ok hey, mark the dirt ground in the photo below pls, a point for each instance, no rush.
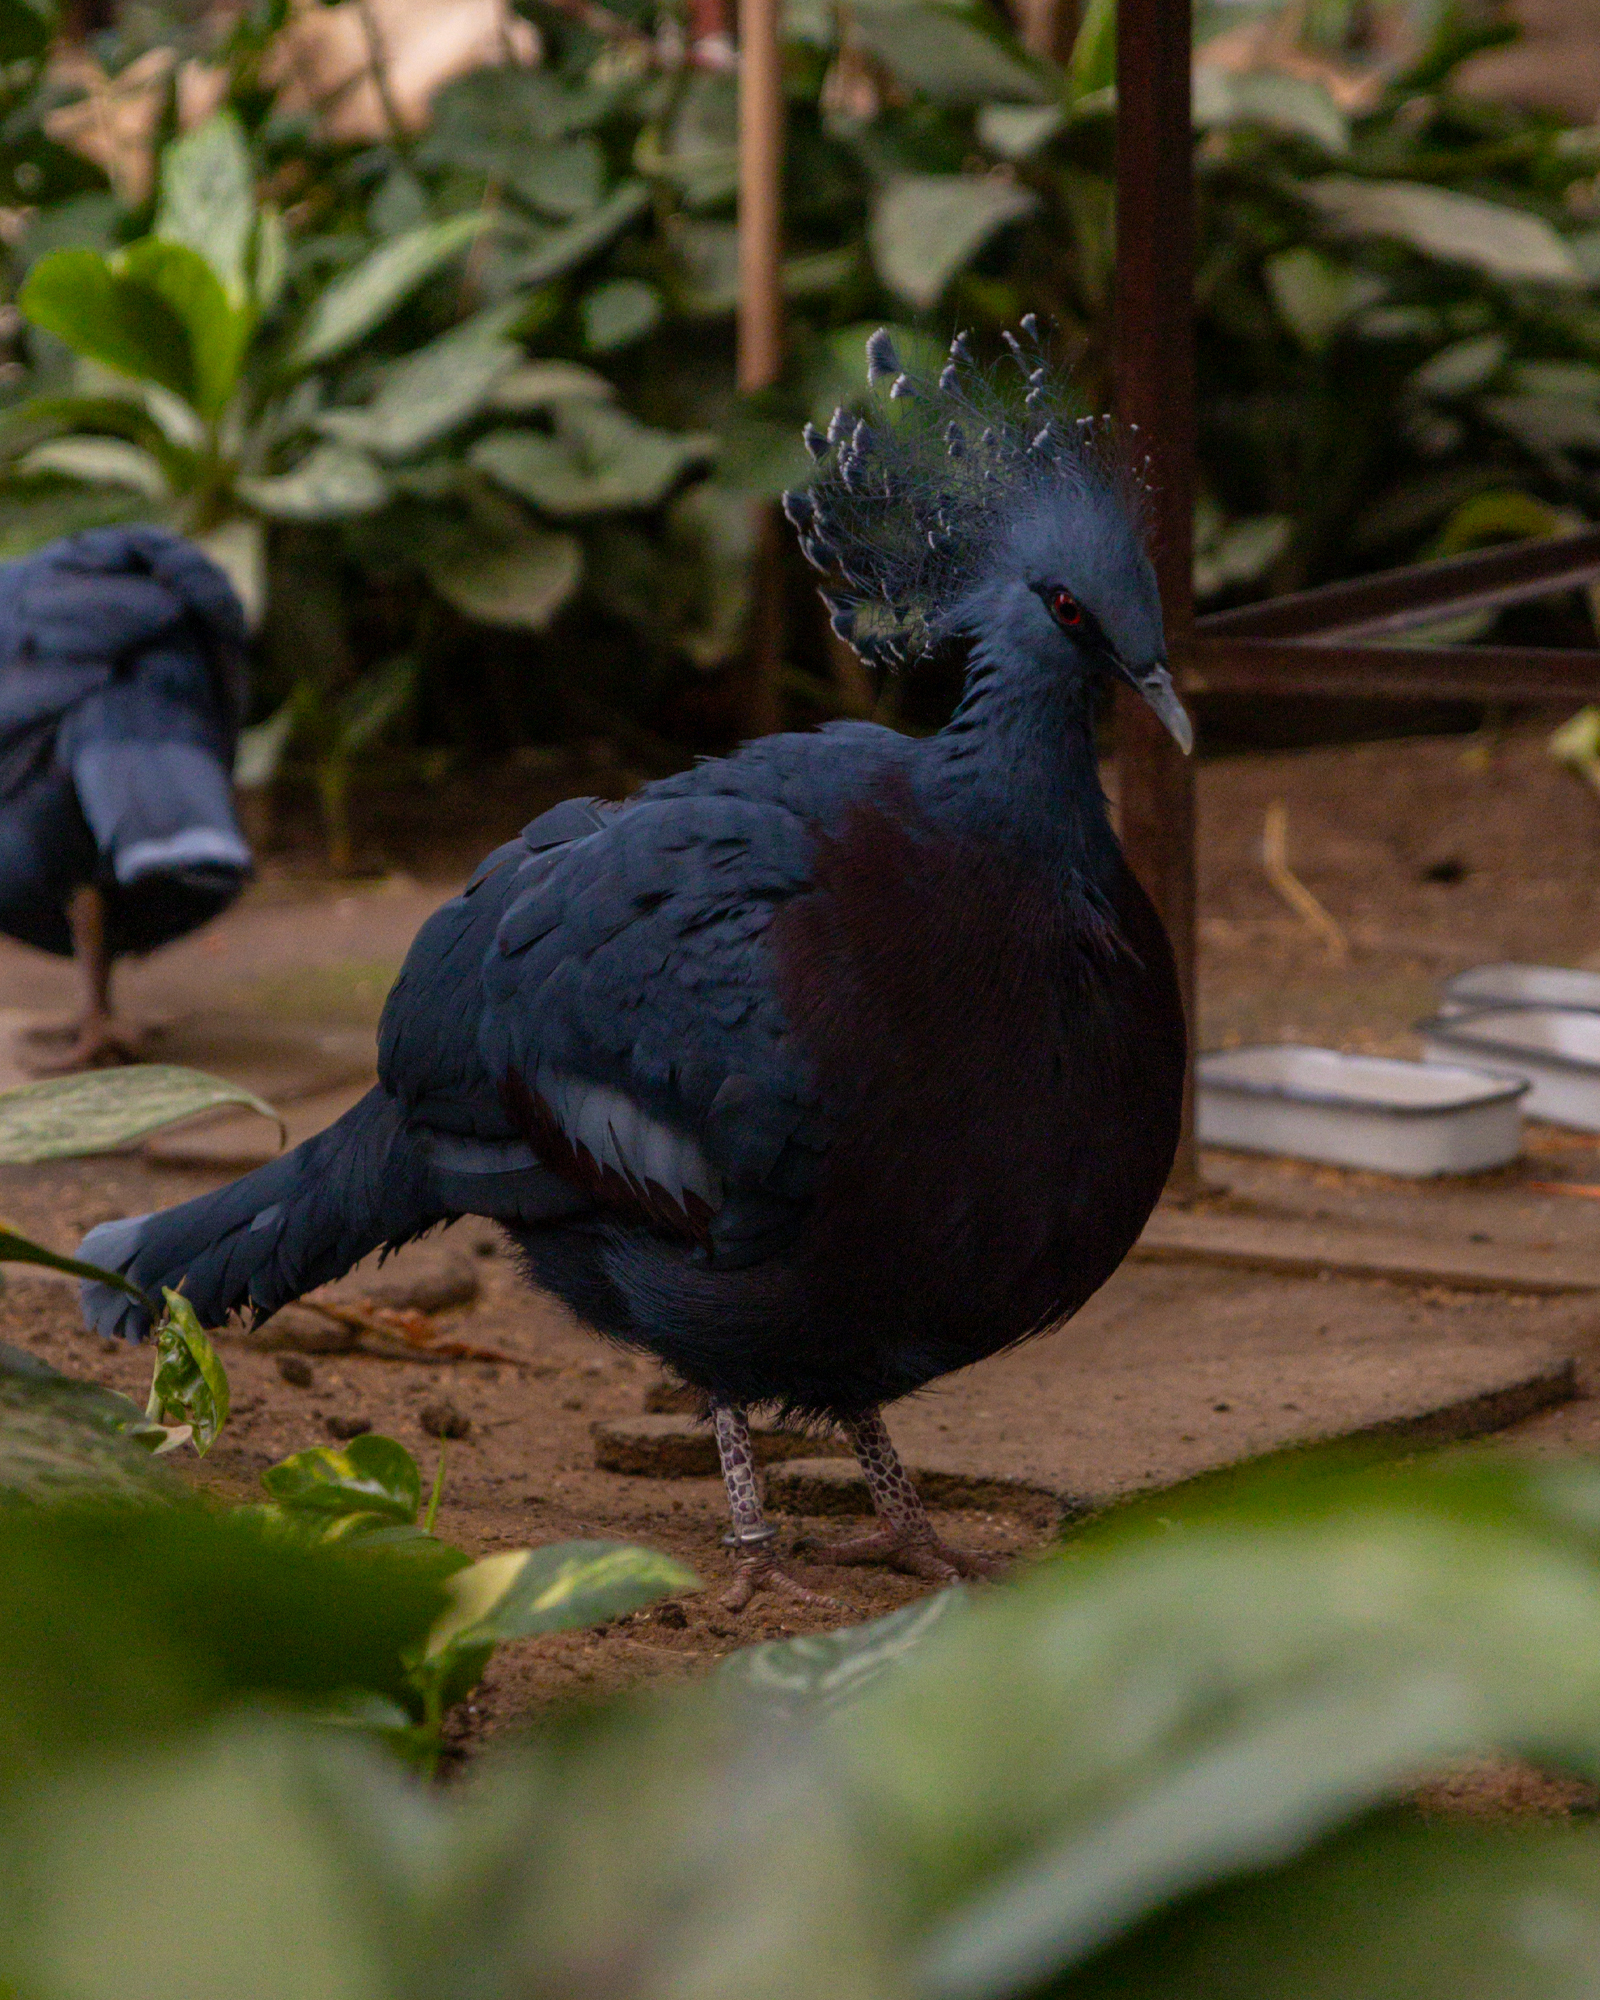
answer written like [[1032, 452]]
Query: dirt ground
[[1429, 855]]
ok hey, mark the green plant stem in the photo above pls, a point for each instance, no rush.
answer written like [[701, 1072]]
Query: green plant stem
[[438, 1488]]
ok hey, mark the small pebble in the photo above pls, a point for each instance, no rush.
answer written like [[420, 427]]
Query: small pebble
[[444, 1420], [296, 1370], [346, 1428]]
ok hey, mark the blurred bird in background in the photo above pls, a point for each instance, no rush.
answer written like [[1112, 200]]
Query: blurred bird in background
[[819, 1070], [122, 690]]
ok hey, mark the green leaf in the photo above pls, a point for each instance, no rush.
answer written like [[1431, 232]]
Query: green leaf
[[1505, 243], [1433, 1912], [565, 249], [1462, 367], [42, 418], [18, 1249], [949, 54], [824, 1670], [427, 395], [208, 202], [1296, 105], [100, 461], [190, 1384], [69, 1117], [111, 318], [561, 181], [364, 297], [269, 259], [927, 227], [1316, 295], [332, 482], [539, 385], [1092, 66], [238, 548], [1018, 131], [599, 460], [216, 331], [26, 29], [523, 1592], [519, 580], [63, 1439], [618, 313], [370, 1475]]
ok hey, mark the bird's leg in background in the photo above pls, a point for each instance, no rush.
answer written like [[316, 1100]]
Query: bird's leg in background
[[757, 1568], [93, 1040], [905, 1538]]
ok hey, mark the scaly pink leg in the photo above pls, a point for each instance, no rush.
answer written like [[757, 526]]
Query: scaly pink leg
[[905, 1537], [757, 1567]]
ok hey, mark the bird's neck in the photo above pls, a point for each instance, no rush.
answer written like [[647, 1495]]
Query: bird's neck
[[1017, 762]]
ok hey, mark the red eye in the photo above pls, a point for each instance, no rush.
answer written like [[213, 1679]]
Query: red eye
[[1066, 608]]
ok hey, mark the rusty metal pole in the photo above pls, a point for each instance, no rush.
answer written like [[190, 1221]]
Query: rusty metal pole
[[1155, 390], [760, 353]]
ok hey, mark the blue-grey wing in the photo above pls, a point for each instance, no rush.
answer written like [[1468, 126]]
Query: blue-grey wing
[[633, 1018]]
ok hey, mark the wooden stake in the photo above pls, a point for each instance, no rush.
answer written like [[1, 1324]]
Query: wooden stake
[[1155, 390], [760, 327]]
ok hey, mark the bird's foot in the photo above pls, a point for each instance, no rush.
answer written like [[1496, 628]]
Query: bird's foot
[[913, 1549], [95, 1043], [765, 1572]]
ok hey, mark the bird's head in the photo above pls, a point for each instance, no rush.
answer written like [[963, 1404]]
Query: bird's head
[[957, 510]]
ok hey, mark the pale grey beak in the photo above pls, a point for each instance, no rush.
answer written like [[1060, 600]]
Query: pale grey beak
[[1155, 684]]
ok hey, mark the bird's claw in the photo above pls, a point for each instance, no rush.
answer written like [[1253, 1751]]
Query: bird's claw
[[765, 1572], [913, 1552], [92, 1044]]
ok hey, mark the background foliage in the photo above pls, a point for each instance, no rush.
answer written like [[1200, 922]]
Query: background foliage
[[470, 388]]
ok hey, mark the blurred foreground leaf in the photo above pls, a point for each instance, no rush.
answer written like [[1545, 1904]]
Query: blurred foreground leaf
[[67, 1117]]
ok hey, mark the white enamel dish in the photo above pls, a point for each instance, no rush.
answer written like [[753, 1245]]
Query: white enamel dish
[[1555, 1050], [1359, 1111], [1521, 986]]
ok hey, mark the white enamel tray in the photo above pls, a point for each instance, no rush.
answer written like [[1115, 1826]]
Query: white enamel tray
[[1521, 986], [1556, 1050], [1359, 1111]]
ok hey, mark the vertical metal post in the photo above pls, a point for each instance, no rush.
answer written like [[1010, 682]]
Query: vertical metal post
[[760, 353], [1155, 390]]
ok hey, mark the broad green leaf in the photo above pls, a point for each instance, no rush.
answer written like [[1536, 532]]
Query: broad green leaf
[[1462, 367], [1018, 131], [26, 29], [826, 1669], [190, 1384], [238, 548], [1545, 423], [1579, 380], [520, 581], [927, 227], [61, 1438], [217, 331], [1436, 1912], [100, 461], [16, 1248], [1298, 106], [686, 581], [370, 1475], [1505, 243], [538, 385], [207, 200], [261, 747], [364, 297], [427, 395], [43, 418], [561, 181], [950, 54], [1316, 295], [333, 482], [68, 1117], [488, 119], [1203, 1688], [618, 313], [598, 460], [1241, 553], [111, 318], [522, 1592], [564, 250], [1092, 66]]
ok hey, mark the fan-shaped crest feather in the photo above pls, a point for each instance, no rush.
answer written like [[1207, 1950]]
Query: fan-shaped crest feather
[[910, 506]]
